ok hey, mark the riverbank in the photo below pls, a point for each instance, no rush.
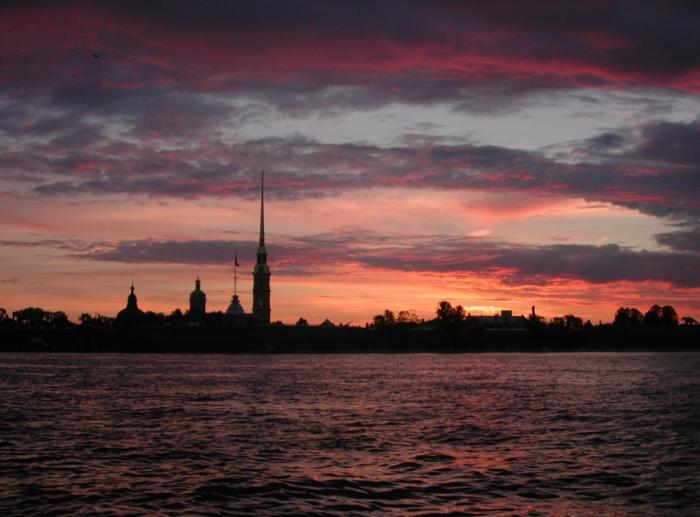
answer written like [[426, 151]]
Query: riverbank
[[283, 339]]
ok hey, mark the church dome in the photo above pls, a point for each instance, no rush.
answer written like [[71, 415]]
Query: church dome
[[235, 308], [235, 315], [131, 314]]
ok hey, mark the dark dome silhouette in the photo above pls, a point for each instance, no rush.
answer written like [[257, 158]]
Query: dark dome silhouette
[[130, 315]]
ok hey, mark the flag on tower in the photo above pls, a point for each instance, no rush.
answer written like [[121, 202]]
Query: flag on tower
[[235, 260]]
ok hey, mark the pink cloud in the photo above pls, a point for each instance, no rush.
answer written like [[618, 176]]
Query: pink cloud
[[51, 46]]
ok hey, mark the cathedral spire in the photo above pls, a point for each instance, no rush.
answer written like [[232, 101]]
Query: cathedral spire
[[262, 209], [261, 272]]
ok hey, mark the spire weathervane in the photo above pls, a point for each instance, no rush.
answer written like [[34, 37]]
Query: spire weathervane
[[235, 273]]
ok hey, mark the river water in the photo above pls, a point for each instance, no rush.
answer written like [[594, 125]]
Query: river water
[[478, 434]]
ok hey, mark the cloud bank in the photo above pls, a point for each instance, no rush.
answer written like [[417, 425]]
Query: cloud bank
[[514, 264]]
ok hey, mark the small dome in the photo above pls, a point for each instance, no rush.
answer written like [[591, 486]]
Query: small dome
[[235, 307], [131, 314]]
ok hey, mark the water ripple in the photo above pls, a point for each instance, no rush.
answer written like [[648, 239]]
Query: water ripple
[[540, 434]]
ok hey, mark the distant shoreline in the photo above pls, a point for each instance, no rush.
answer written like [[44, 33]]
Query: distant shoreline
[[290, 340]]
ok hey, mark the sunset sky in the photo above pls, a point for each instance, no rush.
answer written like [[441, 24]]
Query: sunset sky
[[491, 154]]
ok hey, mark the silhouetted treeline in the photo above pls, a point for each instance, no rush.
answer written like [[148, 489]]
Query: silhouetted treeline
[[405, 318], [656, 316], [447, 317], [455, 317], [34, 317]]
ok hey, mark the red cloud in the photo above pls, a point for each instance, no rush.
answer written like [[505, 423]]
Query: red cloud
[[48, 47]]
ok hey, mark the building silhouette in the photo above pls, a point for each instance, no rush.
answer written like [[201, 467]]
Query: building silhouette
[[235, 315], [198, 301], [131, 314], [503, 320], [261, 272]]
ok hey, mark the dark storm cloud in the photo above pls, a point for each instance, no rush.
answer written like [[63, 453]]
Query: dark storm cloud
[[305, 56], [606, 142], [645, 36], [672, 142], [600, 264], [511, 263], [179, 252], [682, 240], [645, 174]]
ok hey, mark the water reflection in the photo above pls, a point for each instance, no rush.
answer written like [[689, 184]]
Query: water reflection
[[533, 434]]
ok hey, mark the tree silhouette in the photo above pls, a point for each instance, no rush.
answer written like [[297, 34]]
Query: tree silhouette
[[628, 317], [408, 317], [621, 316], [689, 321], [448, 316], [34, 317], [652, 317], [154, 319], [386, 319], [636, 318], [557, 322], [535, 321], [176, 318], [669, 317], [301, 322], [444, 311], [5, 320], [658, 316], [573, 322], [98, 320]]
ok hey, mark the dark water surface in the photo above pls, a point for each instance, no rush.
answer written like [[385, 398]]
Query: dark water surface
[[520, 434]]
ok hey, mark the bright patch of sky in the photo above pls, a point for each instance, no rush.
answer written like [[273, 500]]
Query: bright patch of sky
[[537, 121]]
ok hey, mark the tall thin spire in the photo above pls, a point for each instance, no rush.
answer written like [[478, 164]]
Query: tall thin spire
[[262, 208], [261, 272]]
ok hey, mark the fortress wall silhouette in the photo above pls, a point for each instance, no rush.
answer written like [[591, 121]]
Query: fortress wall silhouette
[[289, 339]]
